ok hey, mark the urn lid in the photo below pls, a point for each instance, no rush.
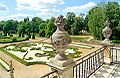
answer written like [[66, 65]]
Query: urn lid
[[107, 29], [60, 22]]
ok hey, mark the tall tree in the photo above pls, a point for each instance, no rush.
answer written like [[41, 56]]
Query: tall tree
[[70, 20], [77, 26], [21, 28], [50, 29], [8, 26], [36, 21], [42, 29], [15, 26], [96, 22], [26, 19], [113, 15], [28, 27], [2, 23], [86, 28]]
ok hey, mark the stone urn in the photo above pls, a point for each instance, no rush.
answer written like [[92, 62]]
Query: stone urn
[[106, 33], [60, 40]]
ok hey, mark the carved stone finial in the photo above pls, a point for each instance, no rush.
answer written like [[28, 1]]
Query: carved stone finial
[[60, 40], [106, 33], [107, 23], [59, 22]]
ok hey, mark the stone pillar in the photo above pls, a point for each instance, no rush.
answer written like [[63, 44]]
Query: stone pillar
[[107, 43], [60, 40], [62, 72], [107, 54]]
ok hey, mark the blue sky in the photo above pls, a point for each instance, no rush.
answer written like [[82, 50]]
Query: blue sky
[[19, 9]]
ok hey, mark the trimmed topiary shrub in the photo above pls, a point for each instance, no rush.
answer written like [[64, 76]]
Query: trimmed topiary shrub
[[33, 36], [14, 39], [27, 38]]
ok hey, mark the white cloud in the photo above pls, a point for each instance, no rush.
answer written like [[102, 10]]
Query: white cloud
[[80, 8], [48, 12], [3, 8], [17, 17], [46, 7]]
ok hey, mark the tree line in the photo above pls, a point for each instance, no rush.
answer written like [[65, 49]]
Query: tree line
[[74, 24]]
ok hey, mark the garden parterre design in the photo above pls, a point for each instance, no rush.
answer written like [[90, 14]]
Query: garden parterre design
[[37, 52], [40, 51]]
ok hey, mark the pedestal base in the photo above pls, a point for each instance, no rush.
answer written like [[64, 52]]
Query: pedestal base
[[61, 63], [63, 72], [107, 60]]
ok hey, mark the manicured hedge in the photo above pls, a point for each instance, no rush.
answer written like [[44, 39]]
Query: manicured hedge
[[3, 37], [3, 65], [13, 39], [15, 57], [37, 62], [21, 60], [116, 41]]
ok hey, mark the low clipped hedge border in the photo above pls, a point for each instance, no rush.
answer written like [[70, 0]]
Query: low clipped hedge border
[[10, 40], [15, 57], [21, 60], [116, 41], [3, 65]]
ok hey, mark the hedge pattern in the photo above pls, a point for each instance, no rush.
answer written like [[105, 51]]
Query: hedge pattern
[[21, 60], [3, 65]]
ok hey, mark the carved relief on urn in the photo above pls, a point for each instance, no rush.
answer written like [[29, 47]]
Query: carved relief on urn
[[106, 33], [60, 40]]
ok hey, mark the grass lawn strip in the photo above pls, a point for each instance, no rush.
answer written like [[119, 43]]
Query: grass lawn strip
[[4, 64]]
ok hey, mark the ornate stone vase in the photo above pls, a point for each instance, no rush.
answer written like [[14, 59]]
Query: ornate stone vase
[[60, 39], [106, 33]]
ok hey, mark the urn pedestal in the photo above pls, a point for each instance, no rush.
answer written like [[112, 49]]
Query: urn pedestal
[[107, 43], [60, 40]]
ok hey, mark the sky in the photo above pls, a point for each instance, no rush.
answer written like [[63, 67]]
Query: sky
[[20, 9]]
